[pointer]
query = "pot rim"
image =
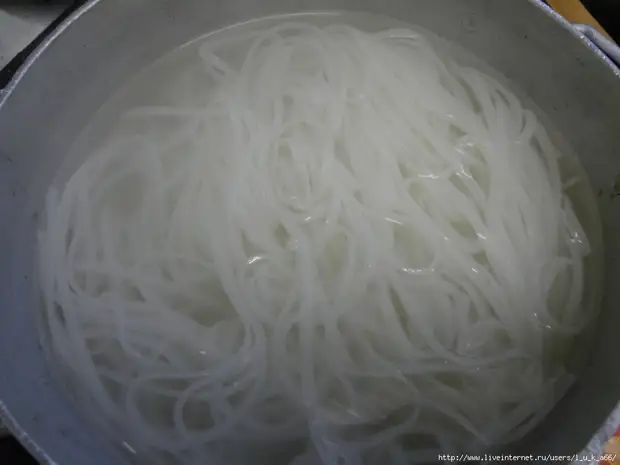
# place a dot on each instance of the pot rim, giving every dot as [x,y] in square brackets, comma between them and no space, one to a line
[75,15]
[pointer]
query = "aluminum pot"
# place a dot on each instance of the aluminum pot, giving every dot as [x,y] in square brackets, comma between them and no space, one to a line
[102,44]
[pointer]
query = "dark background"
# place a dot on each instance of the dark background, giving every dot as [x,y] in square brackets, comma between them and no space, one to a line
[607,12]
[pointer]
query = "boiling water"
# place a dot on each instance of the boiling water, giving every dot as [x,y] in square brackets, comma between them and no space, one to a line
[169,83]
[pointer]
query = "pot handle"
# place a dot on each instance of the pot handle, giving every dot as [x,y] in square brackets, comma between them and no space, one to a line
[605,45]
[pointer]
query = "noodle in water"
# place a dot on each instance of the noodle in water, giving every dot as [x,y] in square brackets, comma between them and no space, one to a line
[344,249]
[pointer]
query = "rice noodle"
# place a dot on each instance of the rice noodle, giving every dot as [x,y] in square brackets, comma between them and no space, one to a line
[356,251]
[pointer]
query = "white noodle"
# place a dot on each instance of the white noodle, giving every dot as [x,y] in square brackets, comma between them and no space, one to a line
[352,244]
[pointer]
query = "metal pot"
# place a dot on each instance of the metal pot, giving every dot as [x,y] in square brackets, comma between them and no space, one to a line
[103,43]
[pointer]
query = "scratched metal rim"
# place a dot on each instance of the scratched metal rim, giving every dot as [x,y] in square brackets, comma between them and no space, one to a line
[577,34]
[6,417]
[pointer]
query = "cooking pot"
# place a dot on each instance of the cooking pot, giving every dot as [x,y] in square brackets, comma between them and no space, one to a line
[105,42]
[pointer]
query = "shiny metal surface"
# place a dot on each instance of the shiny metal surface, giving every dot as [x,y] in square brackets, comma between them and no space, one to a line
[609,48]
[105,42]
[21,22]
